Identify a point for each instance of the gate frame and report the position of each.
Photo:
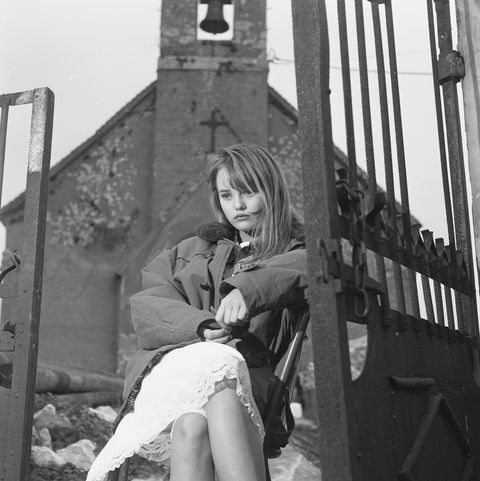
(19, 399)
(341, 403)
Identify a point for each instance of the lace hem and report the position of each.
(134, 440)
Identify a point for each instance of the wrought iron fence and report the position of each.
(376, 427)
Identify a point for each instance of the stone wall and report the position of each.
(96, 213)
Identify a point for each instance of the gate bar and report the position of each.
(427, 294)
(439, 303)
(347, 94)
(366, 111)
(387, 147)
(3, 141)
(439, 244)
(402, 168)
(367, 124)
(443, 156)
(440, 128)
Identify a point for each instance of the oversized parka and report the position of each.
(182, 284)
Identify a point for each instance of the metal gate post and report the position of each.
(329, 336)
(451, 70)
(17, 401)
(468, 17)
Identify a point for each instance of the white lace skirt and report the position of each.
(183, 381)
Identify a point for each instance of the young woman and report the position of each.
(238, 285)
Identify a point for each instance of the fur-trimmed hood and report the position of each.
(215, 231)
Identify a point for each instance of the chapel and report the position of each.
(137, 185)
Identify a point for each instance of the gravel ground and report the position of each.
(295, 463)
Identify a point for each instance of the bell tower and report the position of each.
(210, 91)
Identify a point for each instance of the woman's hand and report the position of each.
(232, 311)
(221, 336)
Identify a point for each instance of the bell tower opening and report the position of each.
(215, 20)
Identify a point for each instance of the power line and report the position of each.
(286, 61)
(421, 74)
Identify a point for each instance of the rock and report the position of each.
(106, 413)
(42, 437)
(296, 410)
(358, 352)
(293, 466)
(80, 454)
(46, 457)
(48, 417)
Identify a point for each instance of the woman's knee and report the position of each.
(191, 429)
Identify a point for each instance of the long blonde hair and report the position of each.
(252, 168)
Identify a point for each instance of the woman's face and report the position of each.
(242, 209)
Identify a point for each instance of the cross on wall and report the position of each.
(213, 122)
(216, 120)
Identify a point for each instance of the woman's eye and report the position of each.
(225, 196)
(248, 194)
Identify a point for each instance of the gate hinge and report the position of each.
(7, 341)
(450, 66)
(328, 250)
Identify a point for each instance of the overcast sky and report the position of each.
(98, 54)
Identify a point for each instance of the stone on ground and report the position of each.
(48, 417)
(106, 413)
(293, 466)
(80, 454)
(46, 457)
(41, 437)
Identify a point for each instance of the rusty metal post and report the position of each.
(451, 71)
(21, 393)
(468, 19)
(328, 332)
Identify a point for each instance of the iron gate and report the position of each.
(414, 413)
(21, 277)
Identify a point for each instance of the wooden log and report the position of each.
(58, 380)
(93, 399)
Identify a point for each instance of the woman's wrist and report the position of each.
(207, 324)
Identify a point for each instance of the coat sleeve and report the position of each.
(276, 283)
(161, 314)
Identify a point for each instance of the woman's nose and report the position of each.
(239, 202)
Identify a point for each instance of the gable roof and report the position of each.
(284, 105)
(165, 218)
(290, 111)
(18, 202)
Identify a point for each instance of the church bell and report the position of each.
(214, 21)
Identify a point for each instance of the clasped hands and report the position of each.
(232, 312)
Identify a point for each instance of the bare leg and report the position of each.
(236, 447)
(190, 454)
